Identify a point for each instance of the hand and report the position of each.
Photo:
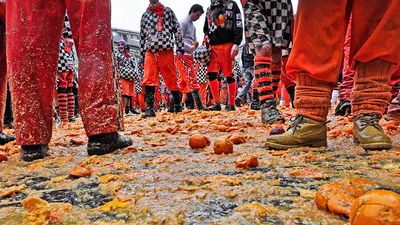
(195, 44)
(206, 39)
(234, 51)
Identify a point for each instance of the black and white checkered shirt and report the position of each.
(156, 41)
(66, 61)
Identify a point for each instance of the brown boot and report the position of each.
(302, 132)
(369, 134)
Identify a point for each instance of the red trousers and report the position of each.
(321, 28)
(3, 64)
(66, 79)
(188, 80)
(32, 62)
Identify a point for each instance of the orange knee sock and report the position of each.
(312, 97)
(371, 93)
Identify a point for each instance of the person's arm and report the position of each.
(237, 25)
(142, 40)
(177, 32)
(206, 29)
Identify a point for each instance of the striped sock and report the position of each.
(63, 106)
(263, 78)
(71, 105)
(276, 77)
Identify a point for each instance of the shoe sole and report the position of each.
(374, 146)
(103, 149)
(315, 144)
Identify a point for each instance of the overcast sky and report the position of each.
(126, 14)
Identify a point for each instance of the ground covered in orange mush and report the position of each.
(225, 175)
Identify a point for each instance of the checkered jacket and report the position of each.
(126, 66)
(156, 41)
(66, 61)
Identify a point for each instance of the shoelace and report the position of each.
(295, 122)
(370, 120)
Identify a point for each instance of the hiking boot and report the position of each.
(230, 108)
(4, 138)
(343, 108)
(303, 131)
(270, 114)
(369, 134)
(238, 102)
(106, 143)
(215, 107)
(30, 153)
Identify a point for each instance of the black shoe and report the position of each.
(270, 114)
(215, 107)
(106, 143)
(230, 108)
(71, 119)
(30, 153)
(197, 100)
(343, 108)
(190, 101)
(238, 102)
(255, 106)
(134, 111)
(149, 112)
(8, 124)
(4, 138)
(177, 99)
(149, 92)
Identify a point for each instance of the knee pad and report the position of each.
(230, 80)
(212, 76)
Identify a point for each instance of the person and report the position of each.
(201, 72)
(66, 75)
(223, 29)
(188, 83)
(248, 71)
(158, 30)
(127, 71)
(316, 60)
(4, 139)
(268, 30)
(32, 74)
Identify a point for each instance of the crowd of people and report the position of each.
(304, 57)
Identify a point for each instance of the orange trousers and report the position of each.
(317, 53)
(32, 71)
(160, 63)
(188, 80)
(320, 30)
